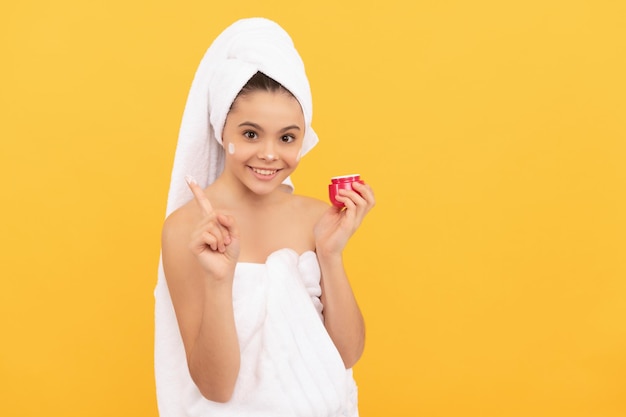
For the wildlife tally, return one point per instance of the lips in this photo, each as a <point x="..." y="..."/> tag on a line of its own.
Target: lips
<point x="264" y="174"/>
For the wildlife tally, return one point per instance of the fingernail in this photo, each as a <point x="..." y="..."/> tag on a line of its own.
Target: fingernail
<point x="190" y="179"/>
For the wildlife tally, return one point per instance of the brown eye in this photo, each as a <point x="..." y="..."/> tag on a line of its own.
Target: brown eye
<point x="248" y="134"/>
<point x="287" y="138"/>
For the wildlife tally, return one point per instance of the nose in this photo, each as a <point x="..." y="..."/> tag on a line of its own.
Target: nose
<point x="268" y="151"/>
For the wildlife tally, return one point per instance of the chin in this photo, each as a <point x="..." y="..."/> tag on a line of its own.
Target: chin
<point x="264" y="188"/>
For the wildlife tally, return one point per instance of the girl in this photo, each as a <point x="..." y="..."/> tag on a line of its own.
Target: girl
<point x="255" y="314"/>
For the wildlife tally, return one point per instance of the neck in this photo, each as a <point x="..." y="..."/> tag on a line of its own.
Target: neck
<point x="233" y="193"/>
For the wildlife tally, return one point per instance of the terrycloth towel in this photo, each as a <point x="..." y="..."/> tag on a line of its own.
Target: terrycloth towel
<point x="243" y="49"/>
<point x="313" y="381"/>
<point x="289" y="365"/>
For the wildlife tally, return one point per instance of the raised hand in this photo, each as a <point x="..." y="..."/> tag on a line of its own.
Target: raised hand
<point x="337" y="225"/>
<point x="215" y="240"/>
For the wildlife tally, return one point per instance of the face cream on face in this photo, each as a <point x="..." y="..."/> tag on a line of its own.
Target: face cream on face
<point x="343" y="182"/>
<point x="231" y="148"/>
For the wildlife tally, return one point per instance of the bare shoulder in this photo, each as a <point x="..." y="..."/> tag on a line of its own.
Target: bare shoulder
<point x="310" y="207"/>
<point x="179" y="223"/>
<point x="178" y="260"/>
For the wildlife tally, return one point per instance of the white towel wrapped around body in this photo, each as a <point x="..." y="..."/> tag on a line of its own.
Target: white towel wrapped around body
<point x="289" y="364"/>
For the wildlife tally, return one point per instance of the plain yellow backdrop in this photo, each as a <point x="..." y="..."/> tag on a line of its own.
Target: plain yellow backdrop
<point x="492" y="273"/>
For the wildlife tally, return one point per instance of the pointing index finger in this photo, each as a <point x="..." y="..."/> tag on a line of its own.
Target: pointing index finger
<point x="198" y="194"/>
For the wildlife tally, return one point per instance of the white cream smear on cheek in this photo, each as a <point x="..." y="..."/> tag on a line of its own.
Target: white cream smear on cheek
<point x="231" y="148"/>
<point x="299" y="155"/>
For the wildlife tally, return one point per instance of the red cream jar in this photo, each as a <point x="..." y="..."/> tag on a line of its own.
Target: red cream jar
<point x="343" y="182"/>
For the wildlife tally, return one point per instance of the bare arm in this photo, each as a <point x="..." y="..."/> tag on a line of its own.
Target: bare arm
<point x="199" y="262"/>
<point x="342" y="316"/>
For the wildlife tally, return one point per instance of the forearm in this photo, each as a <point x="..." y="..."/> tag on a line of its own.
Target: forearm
<point x="342" y="317"/>
<point x="215" y="358"/>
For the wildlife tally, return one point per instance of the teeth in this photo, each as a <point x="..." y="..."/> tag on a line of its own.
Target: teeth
<point x="264" y="171"/>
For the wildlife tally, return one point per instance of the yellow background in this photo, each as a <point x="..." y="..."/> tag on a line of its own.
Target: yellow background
<point x="491" y="273"/>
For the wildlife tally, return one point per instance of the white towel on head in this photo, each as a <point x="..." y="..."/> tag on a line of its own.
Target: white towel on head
<point x="246" y="47"/>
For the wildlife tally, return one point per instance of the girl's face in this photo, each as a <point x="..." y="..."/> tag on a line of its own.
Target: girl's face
<point x="262" y="138"/>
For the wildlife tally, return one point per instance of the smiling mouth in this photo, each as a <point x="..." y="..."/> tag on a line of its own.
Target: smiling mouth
<point x="267" y="172"/>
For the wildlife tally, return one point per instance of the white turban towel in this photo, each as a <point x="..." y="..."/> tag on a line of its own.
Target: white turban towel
<point x="246" y="47"/>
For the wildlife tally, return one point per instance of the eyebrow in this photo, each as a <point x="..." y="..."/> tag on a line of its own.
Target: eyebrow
<point x="258" y="127"/>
